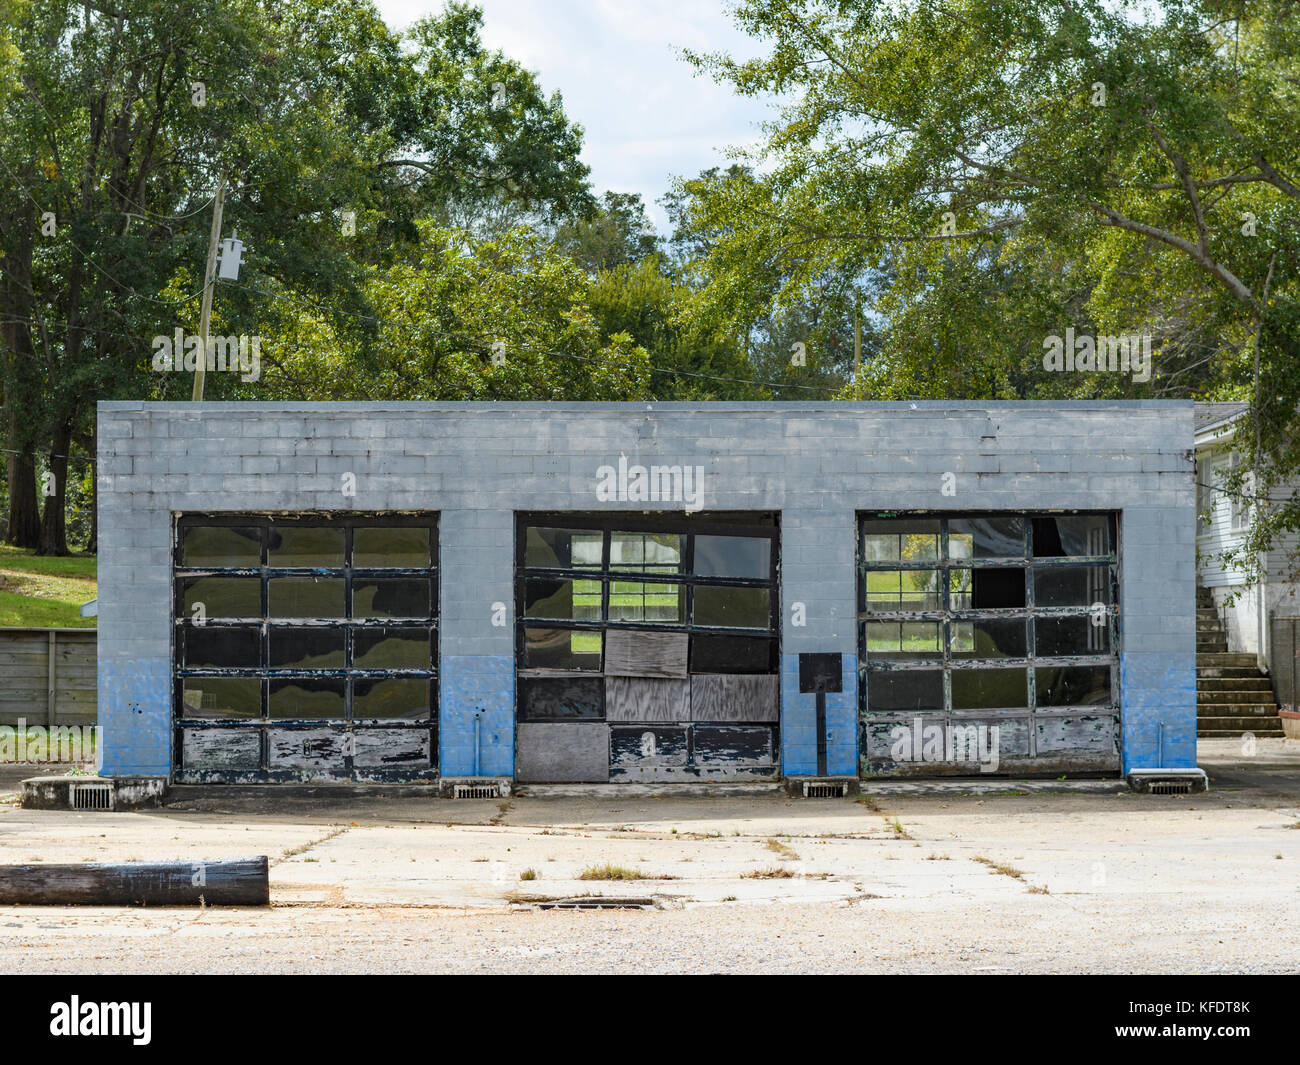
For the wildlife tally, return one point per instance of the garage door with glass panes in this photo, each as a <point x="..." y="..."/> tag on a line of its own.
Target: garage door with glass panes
<point x="306" y="648"/>
<point x="988" y="643"/>
<point x="647" y="647"/>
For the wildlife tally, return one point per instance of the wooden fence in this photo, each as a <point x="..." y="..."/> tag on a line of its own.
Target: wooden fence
<point x="47" y="676"/>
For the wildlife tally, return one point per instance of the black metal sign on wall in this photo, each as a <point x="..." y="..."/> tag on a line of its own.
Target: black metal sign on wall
<point x="306" y="647"/>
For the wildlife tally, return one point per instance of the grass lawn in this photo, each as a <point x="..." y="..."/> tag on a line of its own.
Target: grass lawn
<point x="45" y="592"/>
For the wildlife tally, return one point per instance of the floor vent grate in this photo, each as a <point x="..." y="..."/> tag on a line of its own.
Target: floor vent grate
<point x="1171" y="787"/>
<point x="825" y="790"/>
<point x="92" y="797"/>
<point x="595" y="902"/>
<point x="477" y="791"/>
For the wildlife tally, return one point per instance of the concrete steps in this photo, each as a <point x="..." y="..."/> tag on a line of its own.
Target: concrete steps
<point x="1232" y="695"/>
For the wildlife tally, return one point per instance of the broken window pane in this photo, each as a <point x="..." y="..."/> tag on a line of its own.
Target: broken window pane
<point x="305" y="546"/>
<point x="732" y="654"/>
<point x="904" y="690"/>
<point x="986" y="538"/>
<point x="562" y="649"/>
<point x="221" y="546"/>
<point x="889" y="540"/>
<point x="562" y="599"/>
<point x="895" y="591"/>
<point x="315" y="648"/>
<point x="1072" y="585"/>
<point x="561" y="699"/>
<point x="1072" y="685"/>
<point x="554" y="548"/>
<point x="896" y="639"/>
<point x="218" y="647"/>
<point x="637" y="601"/>
<point x="732" y="556"/>
<point x="391" y="597"/>
<point x="308" y="698"/>
<point x="222" y="597"/>
<point x="646" y="552"/>
<point x="391" y="699"/>
<point x="989" y="639"/>
<point x="1071" y="636"/>
<point x="1072" y="534"/>
<point x="741" y="608"/>
<point x="390" y="547"/>
<point x="306" y="597"/>
<point x="987" y="589"/>
<point x="214" y="698"/>
<point x="989" y="689"/>
<point x="392" y="647"/>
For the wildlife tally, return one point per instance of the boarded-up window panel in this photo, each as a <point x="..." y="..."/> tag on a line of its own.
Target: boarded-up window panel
<point x="920" y="746"/>
<point x="1084" y="733"/>
<point x="391" y="748"/>
<point x="561" y="698"/>
<point x="319" y="751"/>
<point x="633" y="748"/>
<point x="734" y="697"/>
<point x="643" y="699"/>
<point x="576" y="752"/>
<point x="645" y="654"/>
<point x="735" y="746"/>
<point x="221" y="749"/>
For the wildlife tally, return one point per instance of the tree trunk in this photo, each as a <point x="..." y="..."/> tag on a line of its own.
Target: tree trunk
<point x="24" y="512"/>
<point x="53" y="539"/>
<point x="21" y="377"/>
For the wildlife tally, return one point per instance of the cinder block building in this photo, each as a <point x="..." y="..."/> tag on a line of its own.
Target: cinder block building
<point x="644" y="592"/>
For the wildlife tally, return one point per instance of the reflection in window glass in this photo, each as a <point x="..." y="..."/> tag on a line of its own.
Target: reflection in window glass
<point x="562" y="649"/>
<point x="986" y="538"/>
<point x="554" y="548"/>
<point x="562" y="599"/>
<point x="316" y="648"/>
<point x="741" y="608"/>
<point x="1071" y="585"/>
<point x="215" y="698"/>
<point x="1071" y="636"/>
<point x="222" y="597"/>
<point x="390" y="699"/>
<point x="732" y="556"/>
<point x="306" y="597"/>
<point x="904" y="690"/>
<point x="896" y="639"/>
<point x="392" y="647"/>
<point x="221" y="546"/>
<point x="989" y="689"/>
<point x="1072" y="685"/>
<point x="561" y="699"/>
<point x="900" y="541"/>
<point x="989" y="639"/>
<point x="646" y="552"/>
<point x="640" y="601"/>
<point x="732" y="654"/>
<point x="308" y="698"/>
<point x="390" y="597"/>
<point x="892" y="591"/>
<point x="1072" y="534"/>
<point x="305" y="546"/>
<point x="390" y="548"/>
<point x="217" y="647"/>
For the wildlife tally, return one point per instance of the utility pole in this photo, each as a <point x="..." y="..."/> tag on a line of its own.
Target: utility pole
<point x="857" y="341"/>
<point x="205" y="314"/>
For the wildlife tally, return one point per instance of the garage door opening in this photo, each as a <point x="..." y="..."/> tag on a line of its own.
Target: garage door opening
<point x="647" y="647"/>
<point x="988" y="643"/>
<point x="305" y="648"/>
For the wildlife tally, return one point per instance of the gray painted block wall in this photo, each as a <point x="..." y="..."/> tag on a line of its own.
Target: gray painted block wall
<point x="478" y="463"/>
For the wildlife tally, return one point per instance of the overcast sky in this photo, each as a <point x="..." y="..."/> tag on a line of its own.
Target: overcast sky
<point x="647" y="116"/>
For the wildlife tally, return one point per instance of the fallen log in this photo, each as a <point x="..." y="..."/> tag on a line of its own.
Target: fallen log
<point x="226" y="882"/>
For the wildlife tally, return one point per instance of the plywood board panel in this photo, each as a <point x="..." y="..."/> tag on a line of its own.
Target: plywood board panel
<point x="645" y="654"/>
<point x="1090" y="732"/>
<point x="391" y="748"/>
<point x="734" y="746"/>
<point x="313" y="750"/>
<point x="218" y="749"/>
<point x="567" y="752"/>
<point x="643" y="699"/>
<point x="734" y="697"/>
